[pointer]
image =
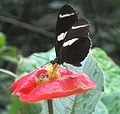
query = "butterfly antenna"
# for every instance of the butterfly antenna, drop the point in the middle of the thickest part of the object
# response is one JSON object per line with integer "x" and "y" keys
{"x": 45, "y": 64}
{"x": 41, "y": 57}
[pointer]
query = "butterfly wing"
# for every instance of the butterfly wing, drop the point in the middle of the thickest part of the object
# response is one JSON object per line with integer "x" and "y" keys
{"x": 76, "y": 44}
{"x": 66, "y": 18}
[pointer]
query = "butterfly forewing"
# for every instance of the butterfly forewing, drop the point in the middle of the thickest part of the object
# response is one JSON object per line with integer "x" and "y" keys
{"x": 79, "y": 29}
{"x": 72, "y": 37}
{"x": 66, "y": 18}
{"x": 77, "y": 43}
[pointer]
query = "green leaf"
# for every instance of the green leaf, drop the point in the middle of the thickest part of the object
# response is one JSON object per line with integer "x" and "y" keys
{"x": 9, "y": 53}
{"x": 112, "y": 102}
{"x": 2, "y": 40}
{"x": 5, "y": 94}
{"x": 111, "y": 97}
{"x": 101, "y": 109}
{"x": 76, "y": 104}
{"x": 111, "y": 70}
{"x": 84, "y": 103}
{"x": 15, "y": 106}
{"x": 18, "y": 107}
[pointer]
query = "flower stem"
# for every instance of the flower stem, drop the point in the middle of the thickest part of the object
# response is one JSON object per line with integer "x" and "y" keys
{"x": 50, "y": 106}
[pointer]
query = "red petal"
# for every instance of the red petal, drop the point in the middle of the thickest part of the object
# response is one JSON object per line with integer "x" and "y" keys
{"x": 25, "y": 84}
{"x": 64, "y": 71}
{"x": 69, "y": 84}
{"x": 61, "y": 87}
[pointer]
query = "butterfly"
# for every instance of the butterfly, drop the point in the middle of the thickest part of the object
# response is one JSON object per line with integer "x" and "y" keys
{"x": 72, "y": 37}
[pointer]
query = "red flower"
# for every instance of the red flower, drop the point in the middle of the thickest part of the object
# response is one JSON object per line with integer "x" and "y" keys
{"x": 51, "y": 82}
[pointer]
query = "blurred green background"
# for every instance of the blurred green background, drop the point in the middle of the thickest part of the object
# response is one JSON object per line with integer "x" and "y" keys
{"x": 28, "y": 26}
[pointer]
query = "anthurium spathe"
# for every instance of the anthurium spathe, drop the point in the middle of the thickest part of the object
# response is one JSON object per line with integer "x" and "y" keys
{"x": 51, "y": 82}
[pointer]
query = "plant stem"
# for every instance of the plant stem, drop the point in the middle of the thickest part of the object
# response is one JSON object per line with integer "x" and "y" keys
{"x": 50, "y": 106}
{"x": 27, "y": 26}
{"x": 7, "y": 72}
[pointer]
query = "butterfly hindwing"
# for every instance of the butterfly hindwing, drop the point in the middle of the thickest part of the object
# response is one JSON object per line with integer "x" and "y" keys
{"x": 77, "y": 43}
{"x": 76, "y": 52}
{"x": 66, "y": 18}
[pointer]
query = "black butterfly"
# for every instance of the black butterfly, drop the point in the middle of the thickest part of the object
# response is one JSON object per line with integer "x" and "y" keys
{"x": 72, "y": 37}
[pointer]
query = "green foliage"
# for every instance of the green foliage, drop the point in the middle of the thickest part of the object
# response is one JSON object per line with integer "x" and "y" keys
{"x": 111, "y": 98}
{"x": 101, "y": 109}
{"x": 111, "y": 38}
{"x": 18, "y": 107}
{"x": 5, "y": 94}
{"x": 2, "y": 40}
{"x": 8, "y": 53}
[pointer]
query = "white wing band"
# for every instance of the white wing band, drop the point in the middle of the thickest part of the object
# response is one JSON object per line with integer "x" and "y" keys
{"x": 80, "y": 26}
{"x": 61, "y": 36}
{"x": 70, "y": 42}
{"x": 65, "y": 15}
